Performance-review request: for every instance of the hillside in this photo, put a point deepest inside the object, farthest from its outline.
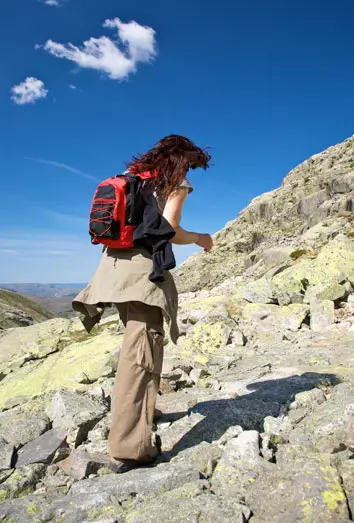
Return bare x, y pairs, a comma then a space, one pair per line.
256, 398
49, 290
319, 190
17, 310
57, 305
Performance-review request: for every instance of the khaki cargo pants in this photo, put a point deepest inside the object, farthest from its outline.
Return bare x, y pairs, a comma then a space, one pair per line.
137, 382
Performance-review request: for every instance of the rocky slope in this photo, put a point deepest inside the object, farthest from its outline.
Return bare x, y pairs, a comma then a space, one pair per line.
257, 398
320, 190
17, 310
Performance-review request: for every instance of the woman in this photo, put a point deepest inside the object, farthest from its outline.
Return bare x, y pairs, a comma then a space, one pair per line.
123, 278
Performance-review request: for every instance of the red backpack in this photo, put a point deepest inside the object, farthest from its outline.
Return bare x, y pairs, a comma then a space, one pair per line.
113, 215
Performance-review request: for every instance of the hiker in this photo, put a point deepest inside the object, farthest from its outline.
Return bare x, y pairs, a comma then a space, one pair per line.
144, 294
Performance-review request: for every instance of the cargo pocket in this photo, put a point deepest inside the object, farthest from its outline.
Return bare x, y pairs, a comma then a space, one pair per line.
150, 351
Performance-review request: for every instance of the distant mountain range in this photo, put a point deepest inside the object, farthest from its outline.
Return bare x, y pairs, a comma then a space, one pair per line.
46, 290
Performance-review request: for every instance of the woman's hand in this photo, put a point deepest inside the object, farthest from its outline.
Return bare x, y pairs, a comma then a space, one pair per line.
205, 241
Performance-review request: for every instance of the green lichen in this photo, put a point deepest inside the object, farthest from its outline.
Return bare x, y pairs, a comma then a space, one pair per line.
32, 509
4, 494
59, 370
307, 511
204, 303
334, 498
93, 513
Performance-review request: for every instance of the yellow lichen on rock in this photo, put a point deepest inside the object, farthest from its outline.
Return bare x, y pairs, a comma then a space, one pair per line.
60, 369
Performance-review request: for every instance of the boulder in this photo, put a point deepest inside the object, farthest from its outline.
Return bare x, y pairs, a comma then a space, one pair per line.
75, 413
21, 482
188, 503
42, 449
81, 464
274, 318
330, 427
321, 314
259, 291
301, 486
61, 368
19, 345
19, 427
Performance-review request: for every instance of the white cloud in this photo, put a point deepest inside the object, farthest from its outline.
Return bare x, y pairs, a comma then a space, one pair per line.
62, 166
71, 86
29, 91
8, 251
54, 3
116, 58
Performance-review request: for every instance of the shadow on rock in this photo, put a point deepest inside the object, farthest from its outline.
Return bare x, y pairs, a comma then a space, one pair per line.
209, 420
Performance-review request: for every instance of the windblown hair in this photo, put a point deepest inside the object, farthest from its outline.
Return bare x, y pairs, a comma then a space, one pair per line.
171, 158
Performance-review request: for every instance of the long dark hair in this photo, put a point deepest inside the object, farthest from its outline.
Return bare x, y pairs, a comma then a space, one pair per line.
170, 159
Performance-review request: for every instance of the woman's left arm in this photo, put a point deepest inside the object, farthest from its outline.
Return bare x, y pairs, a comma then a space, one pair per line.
173, 214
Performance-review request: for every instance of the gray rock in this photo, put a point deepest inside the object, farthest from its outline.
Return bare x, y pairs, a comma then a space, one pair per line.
204, 456
239, 466
140, 482
4, 474
309, 399
6, 454
183, 380
42, 449
259, 291
81, 464
101, 430
300, 487
197, 374
321, 314
19, 427
332, 291
330, 427
19, 318
278, 429
76, 510
21, 482
230, 433
190, 504
347, 476
247, 445
238, 338
75, 413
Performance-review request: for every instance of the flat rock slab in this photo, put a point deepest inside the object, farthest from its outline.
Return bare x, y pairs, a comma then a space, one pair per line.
98, 498
18, 427
42, 449
142, 482
188, 503
6, 454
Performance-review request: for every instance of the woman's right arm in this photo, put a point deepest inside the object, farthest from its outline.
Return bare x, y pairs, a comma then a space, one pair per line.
173, 214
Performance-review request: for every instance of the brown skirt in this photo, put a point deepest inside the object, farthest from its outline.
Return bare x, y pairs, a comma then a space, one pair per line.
123, 276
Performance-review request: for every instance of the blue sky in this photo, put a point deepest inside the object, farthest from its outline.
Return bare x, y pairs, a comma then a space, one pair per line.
264, 84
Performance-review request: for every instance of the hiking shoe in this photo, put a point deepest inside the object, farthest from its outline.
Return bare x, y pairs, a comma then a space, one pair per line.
121, 466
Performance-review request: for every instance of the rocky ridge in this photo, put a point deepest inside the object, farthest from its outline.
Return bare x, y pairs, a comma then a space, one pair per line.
256, 411
319, 191
20, 311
